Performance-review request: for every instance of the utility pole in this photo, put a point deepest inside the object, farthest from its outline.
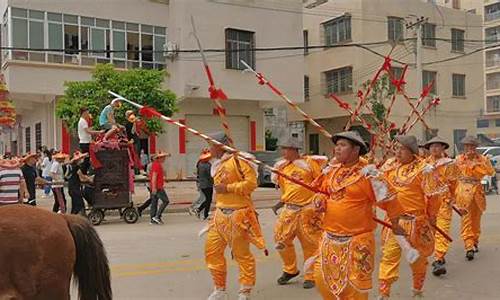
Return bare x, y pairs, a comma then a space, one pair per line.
417, 26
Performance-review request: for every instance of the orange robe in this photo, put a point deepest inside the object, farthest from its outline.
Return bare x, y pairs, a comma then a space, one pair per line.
346, 256
470, 195
298, 218
235, 223
409, 181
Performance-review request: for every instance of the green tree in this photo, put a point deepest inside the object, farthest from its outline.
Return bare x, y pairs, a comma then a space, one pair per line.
271, 142
140, 85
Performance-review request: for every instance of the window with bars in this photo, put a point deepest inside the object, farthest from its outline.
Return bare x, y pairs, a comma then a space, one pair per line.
429, 35
28, 139
305, 35
395, 29
427, 78
458, 85
306, 88
457, 40
338, 81
483, 123
337, 30
239, 46
38, 135
314, 144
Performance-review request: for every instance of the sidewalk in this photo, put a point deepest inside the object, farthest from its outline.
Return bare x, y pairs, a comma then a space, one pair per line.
181, 194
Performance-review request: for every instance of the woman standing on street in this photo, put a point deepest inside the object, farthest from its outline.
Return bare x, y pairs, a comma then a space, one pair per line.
205, 182
46, 166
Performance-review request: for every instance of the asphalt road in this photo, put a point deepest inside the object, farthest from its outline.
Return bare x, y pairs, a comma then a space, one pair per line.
167, 262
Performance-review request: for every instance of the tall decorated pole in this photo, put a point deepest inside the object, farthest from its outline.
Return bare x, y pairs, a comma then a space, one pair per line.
7, 109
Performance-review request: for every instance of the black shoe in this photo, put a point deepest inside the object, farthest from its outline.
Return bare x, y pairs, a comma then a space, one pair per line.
438, 268
469, 255
308, 284
140, 212
286, 277
476, 248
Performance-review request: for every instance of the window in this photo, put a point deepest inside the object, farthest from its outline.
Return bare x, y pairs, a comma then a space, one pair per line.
497, 122
314, 144
38, 135
427, 78
493, 81
396, 72
493, 104
483, 123
429, 35
337, 30
239, 46
492, 12
306, 88
338, 81
492, 35
458, 85
395, 29
458, 135
455, 4
457, 40
493, 58
56, 37
28, 139
305, 35
147, 46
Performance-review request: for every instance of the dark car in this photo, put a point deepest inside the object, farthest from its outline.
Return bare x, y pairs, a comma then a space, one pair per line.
269, 158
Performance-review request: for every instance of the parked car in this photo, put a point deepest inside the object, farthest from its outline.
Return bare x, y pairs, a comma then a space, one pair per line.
489, 183
269, 158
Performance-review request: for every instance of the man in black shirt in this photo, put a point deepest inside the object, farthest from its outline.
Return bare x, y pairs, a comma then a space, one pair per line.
75, 176
30, 176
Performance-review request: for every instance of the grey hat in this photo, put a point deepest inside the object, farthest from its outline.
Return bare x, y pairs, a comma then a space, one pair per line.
354, 137
220, 137
436, 140
470, 140
290, 142
409, 141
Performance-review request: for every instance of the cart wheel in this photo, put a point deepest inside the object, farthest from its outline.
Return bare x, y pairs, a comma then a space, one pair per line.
130, 215
96, 216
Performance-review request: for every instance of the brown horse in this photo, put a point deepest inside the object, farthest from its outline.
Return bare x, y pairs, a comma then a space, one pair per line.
40, 251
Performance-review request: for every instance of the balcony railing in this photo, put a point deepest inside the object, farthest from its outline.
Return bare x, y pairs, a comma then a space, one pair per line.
492, 16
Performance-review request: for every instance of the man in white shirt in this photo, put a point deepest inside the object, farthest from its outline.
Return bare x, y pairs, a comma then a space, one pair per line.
85, 136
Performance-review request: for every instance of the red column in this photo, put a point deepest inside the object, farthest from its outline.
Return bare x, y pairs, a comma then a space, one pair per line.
152, 144
182, 138
66, 139
253, 136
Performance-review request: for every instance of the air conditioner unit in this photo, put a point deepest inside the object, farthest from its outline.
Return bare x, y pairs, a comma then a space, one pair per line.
171, 50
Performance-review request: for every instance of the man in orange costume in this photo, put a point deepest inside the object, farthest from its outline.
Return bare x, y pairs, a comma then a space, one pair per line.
345, 261
406, 174
470, 196
235, 222
298, 217
441, 187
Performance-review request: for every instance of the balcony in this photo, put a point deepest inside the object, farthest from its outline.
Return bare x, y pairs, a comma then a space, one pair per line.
492, 16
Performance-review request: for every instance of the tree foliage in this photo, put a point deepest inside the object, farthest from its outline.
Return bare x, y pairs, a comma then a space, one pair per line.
379, 99
140, 85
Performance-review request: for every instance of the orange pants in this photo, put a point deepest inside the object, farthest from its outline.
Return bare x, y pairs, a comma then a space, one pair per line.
349, 293
421, 238
471, 226
296, 223
444, 222
224, 233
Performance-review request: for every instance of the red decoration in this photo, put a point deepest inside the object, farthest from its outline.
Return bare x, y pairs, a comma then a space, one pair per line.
149, 112
7, 110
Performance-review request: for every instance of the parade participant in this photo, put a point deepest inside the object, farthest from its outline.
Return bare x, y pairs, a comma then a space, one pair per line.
130, 129
46, 166
205, 182
75, 177
298, 218
157, 183
85, 134
445, 171
423, 152
347, 250
12, 184
235, 222
57, 174
30, 175
469, 193
107, 119
406, 174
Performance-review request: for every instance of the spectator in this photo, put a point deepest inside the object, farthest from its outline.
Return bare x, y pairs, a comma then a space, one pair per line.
131, 131
144, 160
146, 203
57, 174
157, 183
12, 184
205, 182
46, 166
75, 177
30, 176
85, 134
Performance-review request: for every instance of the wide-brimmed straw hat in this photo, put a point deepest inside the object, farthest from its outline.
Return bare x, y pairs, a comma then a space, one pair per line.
436, 140
291, 143
470, 140
409, 141
159, 155
354, 137
12, 163
77, 156
30, 155
60, 155
205, 155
